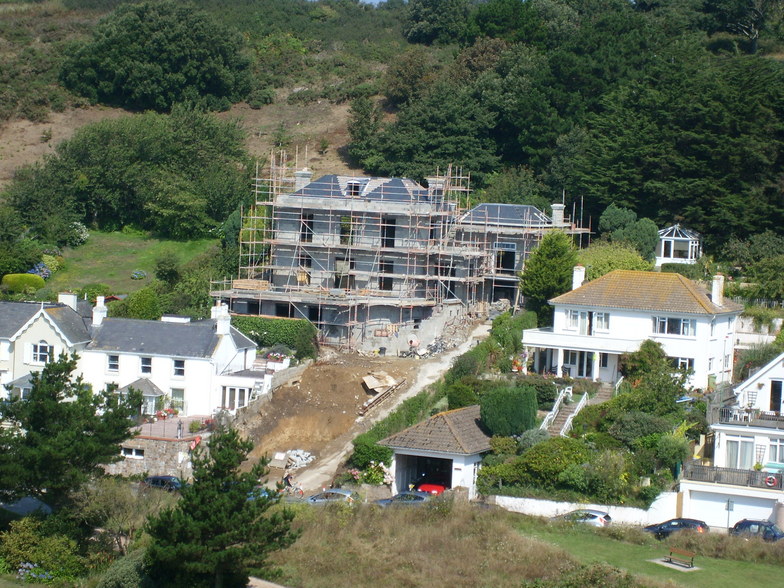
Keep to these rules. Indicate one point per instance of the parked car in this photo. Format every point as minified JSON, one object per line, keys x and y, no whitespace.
{"x":763,"y":529}
{"x":406,"y":498}
{"x":667,"y":528}
{"x":595,"y":518}
{"x":431,"y":488}
{"x":332,"y":496}
{"x":168,"y":483}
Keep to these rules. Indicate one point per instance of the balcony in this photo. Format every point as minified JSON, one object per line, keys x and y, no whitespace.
{"x":731,"y":476}
{"x":751,"y":417}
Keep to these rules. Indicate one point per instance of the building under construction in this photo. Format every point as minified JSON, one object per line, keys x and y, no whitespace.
{"x":379,"y":262}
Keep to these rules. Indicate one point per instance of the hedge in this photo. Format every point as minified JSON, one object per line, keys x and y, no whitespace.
{"x":22,"y":283}
{"x":296,"y":334}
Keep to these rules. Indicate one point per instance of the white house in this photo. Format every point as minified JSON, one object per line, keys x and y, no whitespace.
{"x":33,"y":333}
{"x":678,"y":245}
{"x":744,"y":457}
{"x":192,"y":364}
{"x":595,"y":323}
{"x":447,"y":447}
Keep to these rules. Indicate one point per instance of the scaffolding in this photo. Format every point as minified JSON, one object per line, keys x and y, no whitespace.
{"x":350,"y":244}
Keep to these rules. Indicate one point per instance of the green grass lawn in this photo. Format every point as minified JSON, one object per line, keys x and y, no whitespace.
{"x":586,"y":545}
{"x":110,"y":258}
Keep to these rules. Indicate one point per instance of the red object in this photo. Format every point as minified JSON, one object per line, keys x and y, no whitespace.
{"x":434,"y":489}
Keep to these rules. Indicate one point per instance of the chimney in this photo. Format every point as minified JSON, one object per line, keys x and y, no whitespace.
{"x":717,"y":291}
{"x":302,"y":178}
{"x":220,"y":314}
{"x":67,"y":298}
{"x":100,"y":311}
{"x":578,"y":277}
{"x":558,"y":215}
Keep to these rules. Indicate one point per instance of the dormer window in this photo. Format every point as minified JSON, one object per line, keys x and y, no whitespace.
{"x":354,"y":189}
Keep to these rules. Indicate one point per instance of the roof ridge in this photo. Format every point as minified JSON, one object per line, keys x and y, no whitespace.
{"x":454,"y":432}
{"x":699,"y":296}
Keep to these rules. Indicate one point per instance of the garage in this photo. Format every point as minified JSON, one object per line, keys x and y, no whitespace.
{"x":446,"y":449}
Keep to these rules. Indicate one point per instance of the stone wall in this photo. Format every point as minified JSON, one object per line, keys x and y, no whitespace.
{"x":155,"y":456}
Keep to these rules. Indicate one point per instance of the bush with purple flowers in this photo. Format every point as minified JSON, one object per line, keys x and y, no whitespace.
{"x":40,"y":269}
{"x":30,"y":572}
{"x":138,"y":275}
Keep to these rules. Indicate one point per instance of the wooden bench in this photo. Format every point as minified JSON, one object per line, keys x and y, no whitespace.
{"x":681,"y":556}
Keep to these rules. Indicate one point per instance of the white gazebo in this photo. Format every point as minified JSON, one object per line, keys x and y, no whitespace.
{"x":678,"y":245}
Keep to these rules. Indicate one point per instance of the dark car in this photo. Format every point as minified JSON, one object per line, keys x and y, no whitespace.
{"x":667,"y":528}
{"x":407,"y":498}
{"x":763,"y":529}
{"x":168,"y":483}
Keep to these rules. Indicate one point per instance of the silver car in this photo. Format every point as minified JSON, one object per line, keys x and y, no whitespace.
{"x":332,"y":496}
{"x":595,"y":518}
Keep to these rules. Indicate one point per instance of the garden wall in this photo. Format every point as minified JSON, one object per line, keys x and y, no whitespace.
{"x":663,"y":508}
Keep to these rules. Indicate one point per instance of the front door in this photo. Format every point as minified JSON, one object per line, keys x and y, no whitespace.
{"x":775,"y":395}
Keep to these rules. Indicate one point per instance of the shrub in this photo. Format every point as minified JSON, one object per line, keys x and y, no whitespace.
{"x":22,"y":283}
{"x":530,"y":438}
{"x":299,"y":335}
{"x":631,"y":427}
{"x":503,"y":445}
{"x":126,"y":572}
{"x":693,"y":272}
{"x":366,"y":451}
{"x":460,"y":395}
{"x":194,"y":427}
{"x":543,"y":463}
{"x":508,"y":411}
{"x":25,"y":543}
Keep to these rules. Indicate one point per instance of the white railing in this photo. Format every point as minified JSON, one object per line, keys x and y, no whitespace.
{"x":617,"y":386}
{"x":548,"y":420}
{"x":568,"y":424}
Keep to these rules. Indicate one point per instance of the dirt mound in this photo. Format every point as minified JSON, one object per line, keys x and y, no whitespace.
{"x":322,"y":406}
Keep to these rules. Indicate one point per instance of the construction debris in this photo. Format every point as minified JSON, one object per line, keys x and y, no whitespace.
{"x":298,"y":458}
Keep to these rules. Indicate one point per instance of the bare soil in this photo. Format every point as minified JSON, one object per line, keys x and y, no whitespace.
{"x":318,"y":413}
{"x":23,"y":142}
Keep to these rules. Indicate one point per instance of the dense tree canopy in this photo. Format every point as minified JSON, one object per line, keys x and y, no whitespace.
{"x":548,"y":273}
{"x":156,"y":54}
{"x":178,"y":176}
{"x":220,"y":529}
{"x":61,"y":434}
{"x":602,"y":257}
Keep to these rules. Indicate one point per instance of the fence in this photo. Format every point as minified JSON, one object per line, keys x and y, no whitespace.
{"x":734,"y":477}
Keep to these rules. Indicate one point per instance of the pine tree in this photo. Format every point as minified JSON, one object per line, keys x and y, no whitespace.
{"x":548,"y":273}
{"x":61,"y":434}
{"x":218,"y":532}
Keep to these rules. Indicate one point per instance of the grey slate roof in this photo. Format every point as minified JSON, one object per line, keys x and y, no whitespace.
{"x":505,"y":215}
{"x":196,"y":339}
{"x":678,"y":232}
{"x":454,"y":431}
{"x":14,"y":315}
{"x":386,"y":189}
{"x":143,"y":385}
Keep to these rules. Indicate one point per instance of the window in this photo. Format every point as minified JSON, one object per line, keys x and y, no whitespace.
{"x":776,"y":450}
{"x":740,"y":452}
{"x":132,"y":452}
{"x":114,"y":363}
{"x":146,"y":365}
{"x":178,"y":398}
{"x":710,"y":364}
{"x":713,"y":327}
{"x":179,"y":368}
{"x":42,"y":352}
{"x":603,"y":321}
{"x":674,"y":326}
{"x":604,"y":360}
{"x":573,"y":319}
{"x":385,"y":282}
{"x":306,"y":228}
{"x":682,"y":363}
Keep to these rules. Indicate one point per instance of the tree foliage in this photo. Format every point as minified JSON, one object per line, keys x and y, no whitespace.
{"x":548,"y":273}
{"x":178,"y":176}
{"x":153,"y":55}
{"x":61,"y":434}
{"x":215,"y":535}
{"x":508,"y":411}
{"x":602,"y":257}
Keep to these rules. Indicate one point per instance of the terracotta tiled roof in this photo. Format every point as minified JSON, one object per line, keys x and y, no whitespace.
{"x":454,"y":431}
{"x":649,"y":291}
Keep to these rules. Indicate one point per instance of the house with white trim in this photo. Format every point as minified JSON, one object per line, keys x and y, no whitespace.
{"x":197,"y":367}
{"x":194,"y":365}
{"x":33,"y":333}
{"x":597,"y":322}
{"x":743,"y":461}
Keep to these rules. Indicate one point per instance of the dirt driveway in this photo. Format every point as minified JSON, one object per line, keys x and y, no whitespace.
{"x":319,"y":413}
